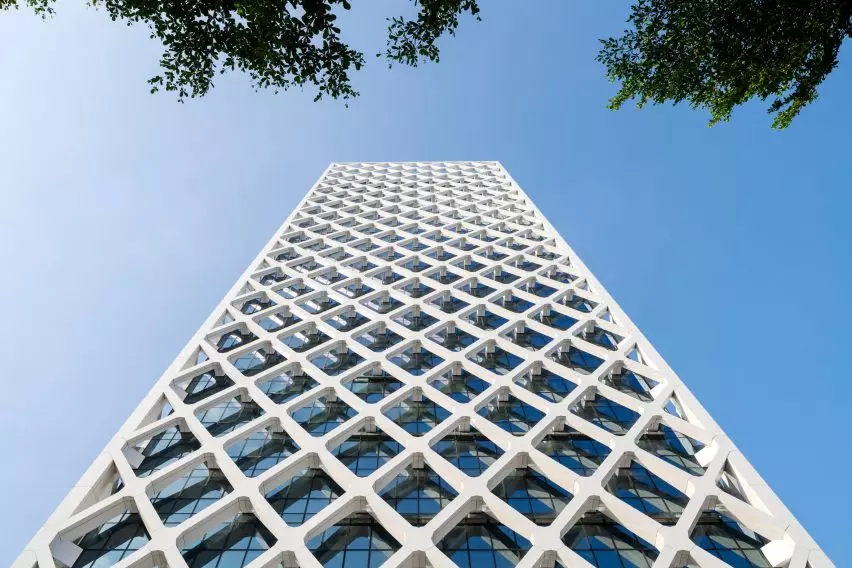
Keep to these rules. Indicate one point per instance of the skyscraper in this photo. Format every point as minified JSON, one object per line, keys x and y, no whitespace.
{"x":417,"y":370}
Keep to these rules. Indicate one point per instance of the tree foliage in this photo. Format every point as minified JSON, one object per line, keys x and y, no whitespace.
{"x":711,"y":54}
{"x":278,"y":43}
{"x":718,"y":54}
{"x":410,"y":41}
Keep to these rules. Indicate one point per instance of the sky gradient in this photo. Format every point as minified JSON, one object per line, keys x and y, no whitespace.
{"x":126,"y":216}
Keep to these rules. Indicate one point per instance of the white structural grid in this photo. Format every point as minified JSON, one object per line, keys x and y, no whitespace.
{"x":417,"y":370}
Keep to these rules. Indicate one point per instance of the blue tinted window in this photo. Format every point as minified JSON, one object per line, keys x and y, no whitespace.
{"x":189,"y":494}
{"x":479,"y":541}
{"x":469,"y":450}
{"x":112,"y":541}
{"x":418,"y":494}
{"x":303,"y":495}
{"x":232,"y":543}
{"x":574,"y":450}
{"x":357,"y":541}
{"x":261,"y":450}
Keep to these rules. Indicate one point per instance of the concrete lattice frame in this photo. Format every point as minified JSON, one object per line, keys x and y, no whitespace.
{"x":496,"y":202}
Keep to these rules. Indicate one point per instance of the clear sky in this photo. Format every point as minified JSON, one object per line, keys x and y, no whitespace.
{"x":125,"y":217}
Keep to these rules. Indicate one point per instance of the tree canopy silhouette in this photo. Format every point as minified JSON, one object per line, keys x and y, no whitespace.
{"x":718,"y":54}
{"x":278,"y":43}
{"x":711,"y":54}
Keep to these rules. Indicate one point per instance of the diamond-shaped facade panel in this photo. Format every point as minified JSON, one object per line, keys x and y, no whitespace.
{"x":417,"y":370}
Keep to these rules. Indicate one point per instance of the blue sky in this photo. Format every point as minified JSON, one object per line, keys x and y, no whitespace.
{"x":125,"y":217}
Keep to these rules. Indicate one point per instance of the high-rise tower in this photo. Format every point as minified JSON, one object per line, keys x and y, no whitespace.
{"x":417,"y":370}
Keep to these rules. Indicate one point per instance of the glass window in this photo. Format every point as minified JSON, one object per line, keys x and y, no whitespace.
{"x":415,"y":319}
{"x":554,"y":318}
{"x":305,"y":339}
{"x":204,"y":385}
{"x":444,"y":276}
{"x":416,"y":359}
{"x":287,"y":254}
{"x":479,"y":541}
{"x":383,"y":303}
{"x":468,"y":449}
{"x":273,"y":277}
{"x":416,"y":264}
{"x":647,"y":492}
{"x":278,"y":321}
{"x":294,"y":290}
{"x":537,"y":288}
{"x":533,"y":495}
{"x":337,"y":360}
{"x":452,"y":338}
{"x":483,"y":319}
{"x":357,"y":541}
{"x":318,"y":304}
{"x":416,"y":289}
{"x":261,"y":450}
{"x":602,"y":338}
{"x":366,"y":451}
{"x":110,"y":542}
{"x":232,"y":543}
{"x":373,"y":385}
{"x":524,"y":264}
{"x":607,"y":544}
{"x":578,"y":303}
{"x":388,"y":254}
{"x":513,"y":303}
{"x":560,"y":276}
{"x":164,"y":448}
{"x":574,"y":450}
{"x":323,"y":415}
{"x":257,"y":361}
{"x":355,"y":289}
{"x":417,"y":414}
{"x":378,"y":338}
{"x":189,"y":494}
{"x":469,"y":264}
{"x":233,"y":339}
{"x":386,"y":276}
{"x":256,"y":305}
{"x":606,"y":414}
{"x":347,"y":320}
{"x":288,"y":385}
{"x":459,"y":384}
{"x":304,"y":495}
{"x":577,"y":360}
{"x":308,"y":265}
{"x":415,"y":245}
{"x":492,"y":254}
{"x":527,"y":338}
{"x":632,"y":383}
{"x":228,"y":415}
{"x":332,"y":275}
{"x":418,"y":494}
{"x":676,"y":448}
{"x":512,"y":415}
{"x":441,"y":254}
{"x":496,"y":359}
{"x":724,"y":537}
{"x":546,"y":384}
{"x":476,"y":289}
{"x":448,"y":303}
{"x":464,"y":245}
{"x":344,"y":237}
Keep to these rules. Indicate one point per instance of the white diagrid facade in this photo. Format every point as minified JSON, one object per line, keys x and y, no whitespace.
{"x":417,"y":370}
